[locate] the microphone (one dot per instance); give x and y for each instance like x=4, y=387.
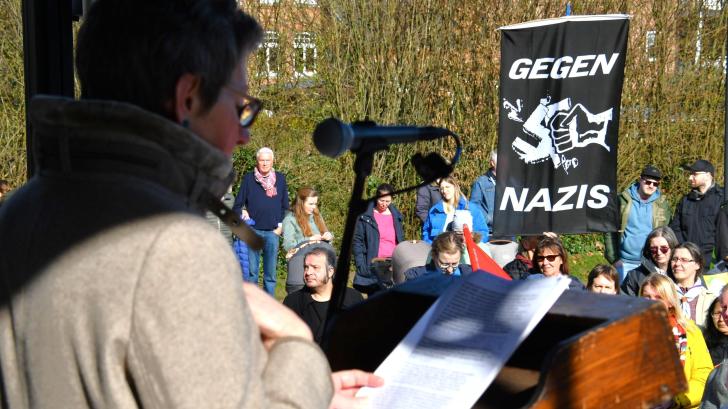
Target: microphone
x=333, y=137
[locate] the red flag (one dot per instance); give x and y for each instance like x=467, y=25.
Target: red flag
x=479, y=260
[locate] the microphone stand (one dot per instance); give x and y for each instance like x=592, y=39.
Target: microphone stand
x=363, y=164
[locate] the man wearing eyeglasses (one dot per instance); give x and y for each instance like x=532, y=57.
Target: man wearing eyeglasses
x=696, y=214
x=642, y=208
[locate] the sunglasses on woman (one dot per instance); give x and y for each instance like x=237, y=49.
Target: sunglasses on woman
x=551, y=258
x=662, y=249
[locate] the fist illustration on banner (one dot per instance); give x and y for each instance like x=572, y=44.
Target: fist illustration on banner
x=536, y=126
x=555, y=128
x=579, y=128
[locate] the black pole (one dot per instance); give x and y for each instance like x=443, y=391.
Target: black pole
x=48, y=56
x=362, y=168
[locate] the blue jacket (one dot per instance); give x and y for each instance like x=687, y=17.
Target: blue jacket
x=483, y=195
x=241, y=252
x=638, y=226
x=435, y=222
x=365, y=245
x=266, y=211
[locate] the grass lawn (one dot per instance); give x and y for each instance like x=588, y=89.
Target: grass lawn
x=581, y=264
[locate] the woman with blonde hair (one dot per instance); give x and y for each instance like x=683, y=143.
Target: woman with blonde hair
x=693, y=352
x=447, y=249
x=442, y=214
x=304, y=223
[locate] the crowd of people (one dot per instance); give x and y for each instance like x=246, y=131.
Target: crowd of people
x=658, y=254
x=133, y=301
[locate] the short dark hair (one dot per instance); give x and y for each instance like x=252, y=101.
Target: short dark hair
x=695, y=253
x=384, y=188
x=324, y=251
x=605, y=270
x=135, y=51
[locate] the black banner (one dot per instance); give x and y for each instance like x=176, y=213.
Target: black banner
x=561, y=87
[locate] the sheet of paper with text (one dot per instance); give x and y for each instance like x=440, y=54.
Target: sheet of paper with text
x=457, y=348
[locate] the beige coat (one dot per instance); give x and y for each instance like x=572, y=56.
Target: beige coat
x=116, y=293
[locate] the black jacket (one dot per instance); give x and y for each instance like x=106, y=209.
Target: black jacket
x=696, y=217
x=365, y=244
x=519, y=269
x=427, y=196
x=633, y=280
x=721, y=245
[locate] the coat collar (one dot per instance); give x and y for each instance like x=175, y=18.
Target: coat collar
x=112, y=137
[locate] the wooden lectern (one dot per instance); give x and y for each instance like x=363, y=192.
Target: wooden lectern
x=589, y=351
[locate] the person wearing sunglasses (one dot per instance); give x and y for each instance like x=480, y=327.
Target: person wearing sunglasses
x=642, y=208
x=686, y=270
x=551, y=259
x=656, y=254
x=119, y=292
x=446, y=254
x=696, y=215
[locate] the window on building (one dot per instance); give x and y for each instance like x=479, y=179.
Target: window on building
x=650, y=45
x=710, y=36
x=713, y=4
x=268, y=2
x=306, y=2
x=269, y=55
x=304, y=46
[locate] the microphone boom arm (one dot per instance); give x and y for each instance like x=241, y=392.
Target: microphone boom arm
x=363, y=164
